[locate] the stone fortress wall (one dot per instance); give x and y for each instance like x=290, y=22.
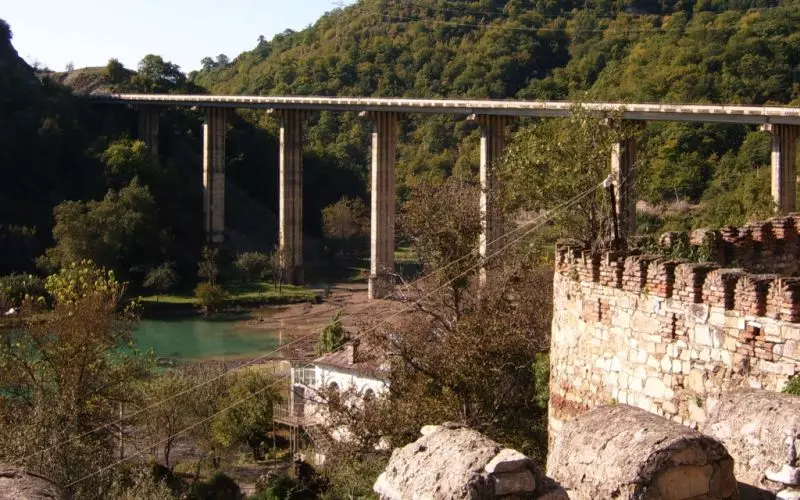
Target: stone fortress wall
x=671, y=336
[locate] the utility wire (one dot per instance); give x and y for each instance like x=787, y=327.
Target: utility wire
x=564, y=205
x=261, y=357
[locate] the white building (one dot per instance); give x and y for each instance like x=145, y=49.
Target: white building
x=349, y=369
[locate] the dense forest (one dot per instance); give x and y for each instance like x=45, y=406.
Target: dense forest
x=87, y=204
x=57, y=147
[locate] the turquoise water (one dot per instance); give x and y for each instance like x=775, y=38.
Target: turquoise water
x=193, y=338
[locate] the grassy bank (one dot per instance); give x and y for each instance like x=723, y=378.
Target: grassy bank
x=240, y=294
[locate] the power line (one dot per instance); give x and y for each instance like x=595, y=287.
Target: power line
x=253, y=361
x=545, y=216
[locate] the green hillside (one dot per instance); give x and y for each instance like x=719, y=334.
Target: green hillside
x=689, y=51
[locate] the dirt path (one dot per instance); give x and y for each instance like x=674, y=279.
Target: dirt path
x=305, y=321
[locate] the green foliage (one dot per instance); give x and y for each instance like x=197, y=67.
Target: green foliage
x=552, y=162
x=333, y=336
x=115, y=73
x=220, y=486
x=17, y=287
x=117, y=232
x=161, y=278
x=442, y=223
x=250, y=397
x=64, y=372
x=254, y=265
x=139, y=484
x=168, y=410
x=155, y=75
x=541, y=375
x=279, y=487
x=345, y=225
x=208, y=268
x=210, y=297
x=793, y=386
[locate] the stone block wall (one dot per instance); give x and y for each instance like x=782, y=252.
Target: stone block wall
x=670, y=336
x=761, y=247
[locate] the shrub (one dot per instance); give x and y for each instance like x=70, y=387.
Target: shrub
x=210, y=297
x=793, y=386
x=219, y=487
x=14, y=288
x=253, y=265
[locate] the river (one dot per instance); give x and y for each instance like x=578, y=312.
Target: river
x=198, y=338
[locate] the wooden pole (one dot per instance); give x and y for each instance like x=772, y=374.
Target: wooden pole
x=121, y=433
x=613, y=203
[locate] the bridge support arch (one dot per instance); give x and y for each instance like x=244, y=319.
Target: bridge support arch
x=290, y=205
x=784, y=165
x=214, y=130
x=148, y=127
x=382, y=194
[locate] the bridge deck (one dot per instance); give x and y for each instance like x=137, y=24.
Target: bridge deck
x=632, y=111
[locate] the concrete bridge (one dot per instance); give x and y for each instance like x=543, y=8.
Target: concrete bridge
x=493, y=116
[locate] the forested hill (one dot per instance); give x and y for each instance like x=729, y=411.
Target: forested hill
x=724, y=51
x=679, y=51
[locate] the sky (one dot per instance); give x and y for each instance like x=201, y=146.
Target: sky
x=90, y=32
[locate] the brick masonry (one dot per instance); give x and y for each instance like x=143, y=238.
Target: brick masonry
x=671, y=336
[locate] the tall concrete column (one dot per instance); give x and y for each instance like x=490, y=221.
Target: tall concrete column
x=784, y=165
x=623, y=170
x=148, y=127
x=382, y=192
x=214, y=129
x=290, y=218
x=493, y=143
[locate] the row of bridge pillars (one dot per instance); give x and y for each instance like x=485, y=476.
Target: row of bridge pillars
x=382, y=183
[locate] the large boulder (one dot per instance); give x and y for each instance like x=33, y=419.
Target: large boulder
x=622, y=452
x=19, y=484
x=761, y=430
x=453, y=462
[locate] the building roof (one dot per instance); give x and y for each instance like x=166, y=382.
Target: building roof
x=356, y=357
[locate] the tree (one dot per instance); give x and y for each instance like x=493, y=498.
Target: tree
x=345, y=224
x=125, y=160
x=253, y=392
x=119, y=232
x=159, y=76
x=333, y=336
x=161, y=278
x=210, y=297
x=551, y=162
x=115, y=72
x=208, y=63
x=208, y=268
x=165, y=413
x=442, y=223
x=254, y=265
x=65, y=373
x=222, y=60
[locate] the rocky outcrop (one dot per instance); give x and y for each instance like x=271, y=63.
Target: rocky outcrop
x=761, y=430
x=453, y=462
x=618, y=451
x=18, y=484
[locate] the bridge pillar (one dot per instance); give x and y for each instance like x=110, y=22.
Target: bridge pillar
x=784, y=165
x=382, y=193
x=493, y=143
x=623, y=173
x=148, y=127
x=214, y=129
x=290, y=217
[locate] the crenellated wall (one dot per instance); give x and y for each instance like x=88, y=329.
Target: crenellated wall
x=671, y=336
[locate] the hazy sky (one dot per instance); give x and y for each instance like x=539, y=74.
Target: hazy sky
x=90, y=32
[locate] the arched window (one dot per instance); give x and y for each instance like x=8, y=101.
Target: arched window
x=333, y=392
x=369, y=396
